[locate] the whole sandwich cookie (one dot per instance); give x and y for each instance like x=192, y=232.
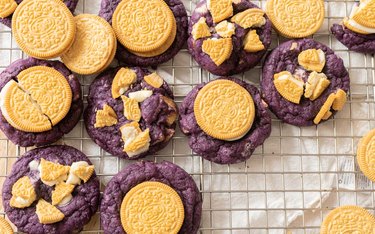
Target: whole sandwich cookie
x=225, y=120
x=296, y=18
x=94, y=46
x=148, y=197
x=7, y=7
x=348, y=219
x=43, y=29
x=304, y=82
x=51, y=190
x=40, y=101
x=130, y=112
x=366, y=155
x=5, y=227
x=150, y=32
x=357, y=32
x=228, y=37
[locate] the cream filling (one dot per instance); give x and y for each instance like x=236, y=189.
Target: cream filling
x=34, y=165
x=72, y=178
x=141, y=95
x=139, y=151
x=65, y=200
x=23, y=202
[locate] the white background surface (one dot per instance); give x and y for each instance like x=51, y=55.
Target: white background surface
x=289, y=184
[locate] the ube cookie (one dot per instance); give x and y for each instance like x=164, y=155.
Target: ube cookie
x=150, y=32
x=225, y=120
x=40, y=102
x=228, y=37
x=148, y=196
x=304, y=82
x=51, y=190
x=130, y=112
x=7, y=7
x=357, y=32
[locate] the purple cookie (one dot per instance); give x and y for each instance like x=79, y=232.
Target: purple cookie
x=77, y=213
x=285, y=58
x=354, y=41
x=219, y=151
x=27, y=139
x=164, y=172
x=71, y=4
x=240, y=60
x=107, y=9
x=155, y=112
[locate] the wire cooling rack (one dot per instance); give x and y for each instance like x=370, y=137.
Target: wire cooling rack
x=288, y=185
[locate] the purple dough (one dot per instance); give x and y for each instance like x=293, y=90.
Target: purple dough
x=27, y=139
x=164, y=172
x=219, y=151
x=71, y=4
x=107, y=9
x=354, y=41
x=77, y=213
x=154, y=114
x=283, y=58
x=240, y=60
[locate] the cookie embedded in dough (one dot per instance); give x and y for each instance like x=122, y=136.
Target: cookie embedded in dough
x=289, y=86
x=200, y=29
x=312, y=59
x=252, y=42
x=219, y=50
x=225, y=29
x=47, y=213
x=23, y=193
x=106, y=117
x=253, y=17
x=315, y=85
x=123, y=79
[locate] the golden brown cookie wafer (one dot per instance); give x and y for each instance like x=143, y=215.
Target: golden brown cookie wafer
x=23, y=193
x=288, y=86
x=200, y=29
x=47, y=213
x=354, y=29
x=365, y=14
x=166, y=205
x=340, y=100
x=49, y=89
x=153, y=19
x=348, y=219
x=296, y=18
x=224, y=110
x=92, y=49
x=106, y=117
x=20, y=111
x=219, y=50
x=325, y=108
x=220, y=9
x=154, y=80
x=5, y=227
x=7, y=7
x=164, y=47
x=123, y=79
x=312, y=59
x=61, y=191
x=366, y=155
x=252, y=42
x=252, y=17
x=43, y=28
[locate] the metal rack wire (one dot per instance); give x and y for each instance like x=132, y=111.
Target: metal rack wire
x=288, y=185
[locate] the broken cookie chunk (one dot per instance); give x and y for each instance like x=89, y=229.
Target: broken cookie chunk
x=200, y=29
x=106, y=117
x=225, y=29
x=62, y=194
x=23, y=193
x=154, y=80
x=312, y=60
x=252, y=43
x=131, y=109
x=252, y=17
x=219, y=50
x=289, y=86
x=315, y=85
x=123, y=79
x=47, y=213
x=52, y=173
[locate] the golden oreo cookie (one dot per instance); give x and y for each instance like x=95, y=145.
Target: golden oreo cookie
x=151, y=206
x=366, y=155
x=43, y=28
x=296, y=18
x=49, y=89
x=348, y=219
x=47, y=213
x=5, y=227
x=94, y=46
x=220, y=9
x=325, y=108
x=20, y=111
x=365, y=14
x=143, y=26
x=7, y=7
x=224, y=110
